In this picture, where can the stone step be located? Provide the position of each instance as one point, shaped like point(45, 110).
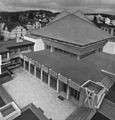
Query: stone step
point(108, 109)
point(82, 114)
point(107, 82)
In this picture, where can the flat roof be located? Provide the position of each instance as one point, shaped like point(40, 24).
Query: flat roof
point(73, 29)
point(80, 71)
point(13, 43)
point(99, 116)
point(27, 115)
point(111, 94)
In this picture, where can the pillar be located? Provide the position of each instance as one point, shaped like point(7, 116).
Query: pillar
point(78, 57)
point(24, 64)
point(112, 31)
point(58, 85)
point(0, 64)
point(8, 55)
point(49, 80)
point(41, 74)
point(34, 70)
point(52, 49)
point(29, 65)
point(68, 92)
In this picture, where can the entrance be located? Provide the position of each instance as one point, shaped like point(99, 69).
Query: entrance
point(38, 72)
point(22, 62)
point(32, 69)
point(74, 93)
point(45, 77)
point(27, 65)
point(64, 87)
point(53, 82)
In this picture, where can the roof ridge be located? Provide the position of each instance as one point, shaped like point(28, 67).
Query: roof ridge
point(82, 14)
point(93, 25)
point(59, 18)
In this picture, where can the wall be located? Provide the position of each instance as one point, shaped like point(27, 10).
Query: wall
point(39, 44)
point(109, 47)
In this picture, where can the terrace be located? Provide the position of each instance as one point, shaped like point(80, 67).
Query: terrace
point(26, 89)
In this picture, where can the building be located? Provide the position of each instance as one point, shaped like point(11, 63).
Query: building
point(71, 35)
point(10, 51)
point(13, 30)
point(33, 25)
point(73, 63)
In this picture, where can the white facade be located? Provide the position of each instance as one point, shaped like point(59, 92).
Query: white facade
point(109, 47)
point(39, 44)
point(18, 31)
point(107, 21)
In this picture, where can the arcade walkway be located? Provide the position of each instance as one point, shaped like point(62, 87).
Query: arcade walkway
point(25, 88)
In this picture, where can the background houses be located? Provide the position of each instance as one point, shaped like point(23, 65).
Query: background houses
point(13, 30)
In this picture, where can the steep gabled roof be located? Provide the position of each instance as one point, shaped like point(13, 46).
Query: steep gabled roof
point(72, 29)
point(11, 25)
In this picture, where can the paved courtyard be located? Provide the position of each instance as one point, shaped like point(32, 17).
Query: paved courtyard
point(25, 89)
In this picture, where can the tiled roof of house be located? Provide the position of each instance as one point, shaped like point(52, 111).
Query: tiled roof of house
point(78, 71)
point(12, 25)
point(72, 29)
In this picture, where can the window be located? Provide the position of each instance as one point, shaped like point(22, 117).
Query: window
point(65, 52)
point(13, 51)
point(53, 82)
point(23, 48)
point(4, 56)
point(89, 53)
point(74, 93)
point(38, 72)
point(109, 31)
point(48, 47)
point(114, 32)
point(45, 77)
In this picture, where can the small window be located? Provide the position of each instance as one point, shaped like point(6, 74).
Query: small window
point(48, 47)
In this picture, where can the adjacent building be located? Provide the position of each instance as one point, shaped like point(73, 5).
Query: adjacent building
point(13, 30)
point(11, 50)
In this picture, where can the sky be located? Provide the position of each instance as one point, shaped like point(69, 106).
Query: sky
point(55, 5)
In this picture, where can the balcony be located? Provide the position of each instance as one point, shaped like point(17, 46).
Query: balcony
point(14, 55)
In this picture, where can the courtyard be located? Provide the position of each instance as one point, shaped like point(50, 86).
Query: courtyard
point(26, 88)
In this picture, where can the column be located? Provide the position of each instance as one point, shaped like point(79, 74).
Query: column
point(78, 57)
point(34, 70)
point(51, 49)
point(112, 31)
point(24, 64)
point(68, 92)
point(0, 64)
point(48, 79)
point(29, 65)
point(8, 55)
point(41, 74)
point(58, 85)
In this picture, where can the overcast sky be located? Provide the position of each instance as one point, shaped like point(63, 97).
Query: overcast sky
point(98, 5)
